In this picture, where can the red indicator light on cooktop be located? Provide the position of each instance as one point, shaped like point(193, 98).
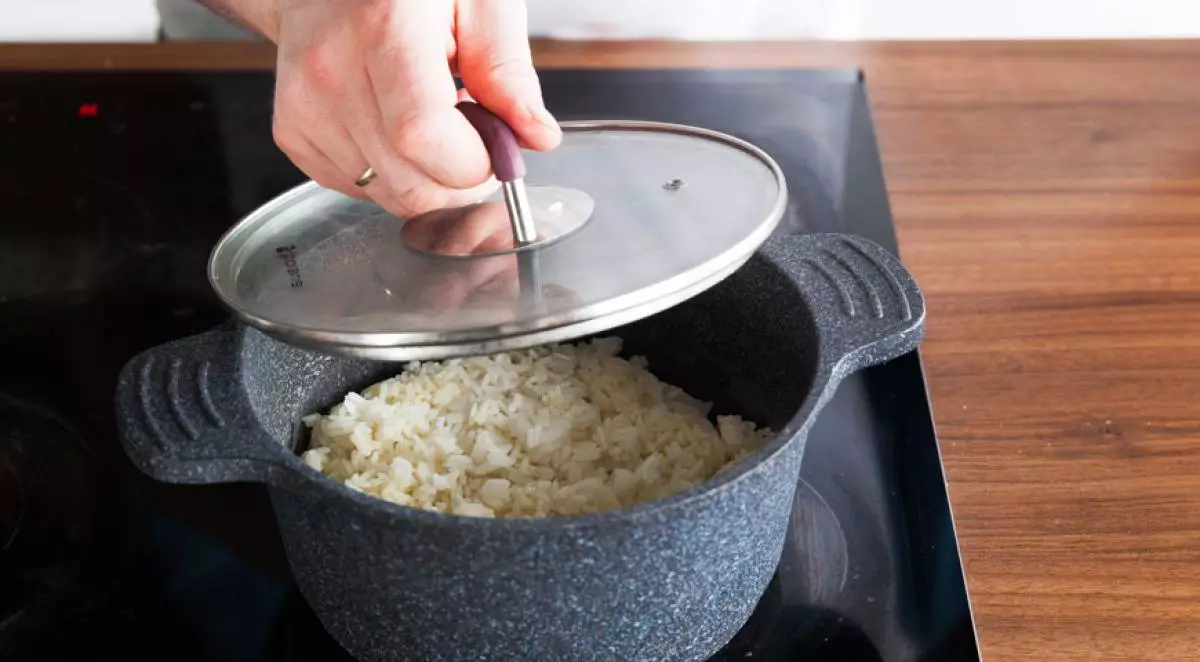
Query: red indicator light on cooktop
point(89, 110)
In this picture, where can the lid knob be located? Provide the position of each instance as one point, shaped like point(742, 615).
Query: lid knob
point(507, 164)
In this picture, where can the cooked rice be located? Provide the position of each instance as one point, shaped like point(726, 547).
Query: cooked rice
point(555, 430)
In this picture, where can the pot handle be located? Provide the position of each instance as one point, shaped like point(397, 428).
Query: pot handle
point(866, 306)
point(183, 415)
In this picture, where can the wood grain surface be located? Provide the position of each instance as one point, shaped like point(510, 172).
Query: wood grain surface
point(1048, 200)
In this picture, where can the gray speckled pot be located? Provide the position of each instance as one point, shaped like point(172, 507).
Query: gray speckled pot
point(668, 580)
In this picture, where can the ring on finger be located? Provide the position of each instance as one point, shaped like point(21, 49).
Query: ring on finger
point(367, 177)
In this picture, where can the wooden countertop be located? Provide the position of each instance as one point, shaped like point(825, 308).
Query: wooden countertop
point(1048, 200)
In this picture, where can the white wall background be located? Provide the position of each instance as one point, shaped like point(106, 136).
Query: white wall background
point(78, 20)
point(140, 20)
point(986, 19)
point(867, 19)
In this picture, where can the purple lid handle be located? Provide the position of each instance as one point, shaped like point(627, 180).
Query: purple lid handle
point(502, 146)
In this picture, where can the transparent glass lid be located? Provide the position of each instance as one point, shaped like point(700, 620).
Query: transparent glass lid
point(632, 217)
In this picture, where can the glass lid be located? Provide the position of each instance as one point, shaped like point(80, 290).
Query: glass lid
point(622, 220)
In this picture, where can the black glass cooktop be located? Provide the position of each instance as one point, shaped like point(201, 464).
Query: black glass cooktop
point(113, 187)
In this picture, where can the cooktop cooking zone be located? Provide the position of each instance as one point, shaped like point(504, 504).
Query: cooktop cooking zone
point(107, 258)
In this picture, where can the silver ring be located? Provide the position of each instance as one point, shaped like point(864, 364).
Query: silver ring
point(367, 177)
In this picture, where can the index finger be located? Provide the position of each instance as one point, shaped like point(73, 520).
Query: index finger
point(409, 70)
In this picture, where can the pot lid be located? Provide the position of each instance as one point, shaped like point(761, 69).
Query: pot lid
point(624, 219)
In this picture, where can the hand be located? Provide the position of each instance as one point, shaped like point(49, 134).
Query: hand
point(368, 83)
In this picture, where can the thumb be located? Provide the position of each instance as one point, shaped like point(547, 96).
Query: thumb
point(496, 67)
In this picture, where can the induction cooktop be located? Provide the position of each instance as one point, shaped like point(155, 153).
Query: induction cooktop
point(113, 188)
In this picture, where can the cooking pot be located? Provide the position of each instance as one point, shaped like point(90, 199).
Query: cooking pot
point(673, 579)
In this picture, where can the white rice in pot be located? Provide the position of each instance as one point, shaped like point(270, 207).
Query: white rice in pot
point(555, 430)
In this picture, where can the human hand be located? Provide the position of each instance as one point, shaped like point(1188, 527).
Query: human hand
point(368, 83)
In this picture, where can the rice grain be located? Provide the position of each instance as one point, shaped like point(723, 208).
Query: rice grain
point(554, 430)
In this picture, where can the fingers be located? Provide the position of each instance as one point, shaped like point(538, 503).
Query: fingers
point(313, 161)
point(496, 66)
point(369, 85)
point(409, 70)
point(329, 121)
point(340, 148)
point(306, 126)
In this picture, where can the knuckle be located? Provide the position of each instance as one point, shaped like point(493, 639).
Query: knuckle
point(414, 134)
point(285, 139)
point(420, 199)
point(443, 147)
point(374, 21)
point(321, 65)
point(507, 68)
